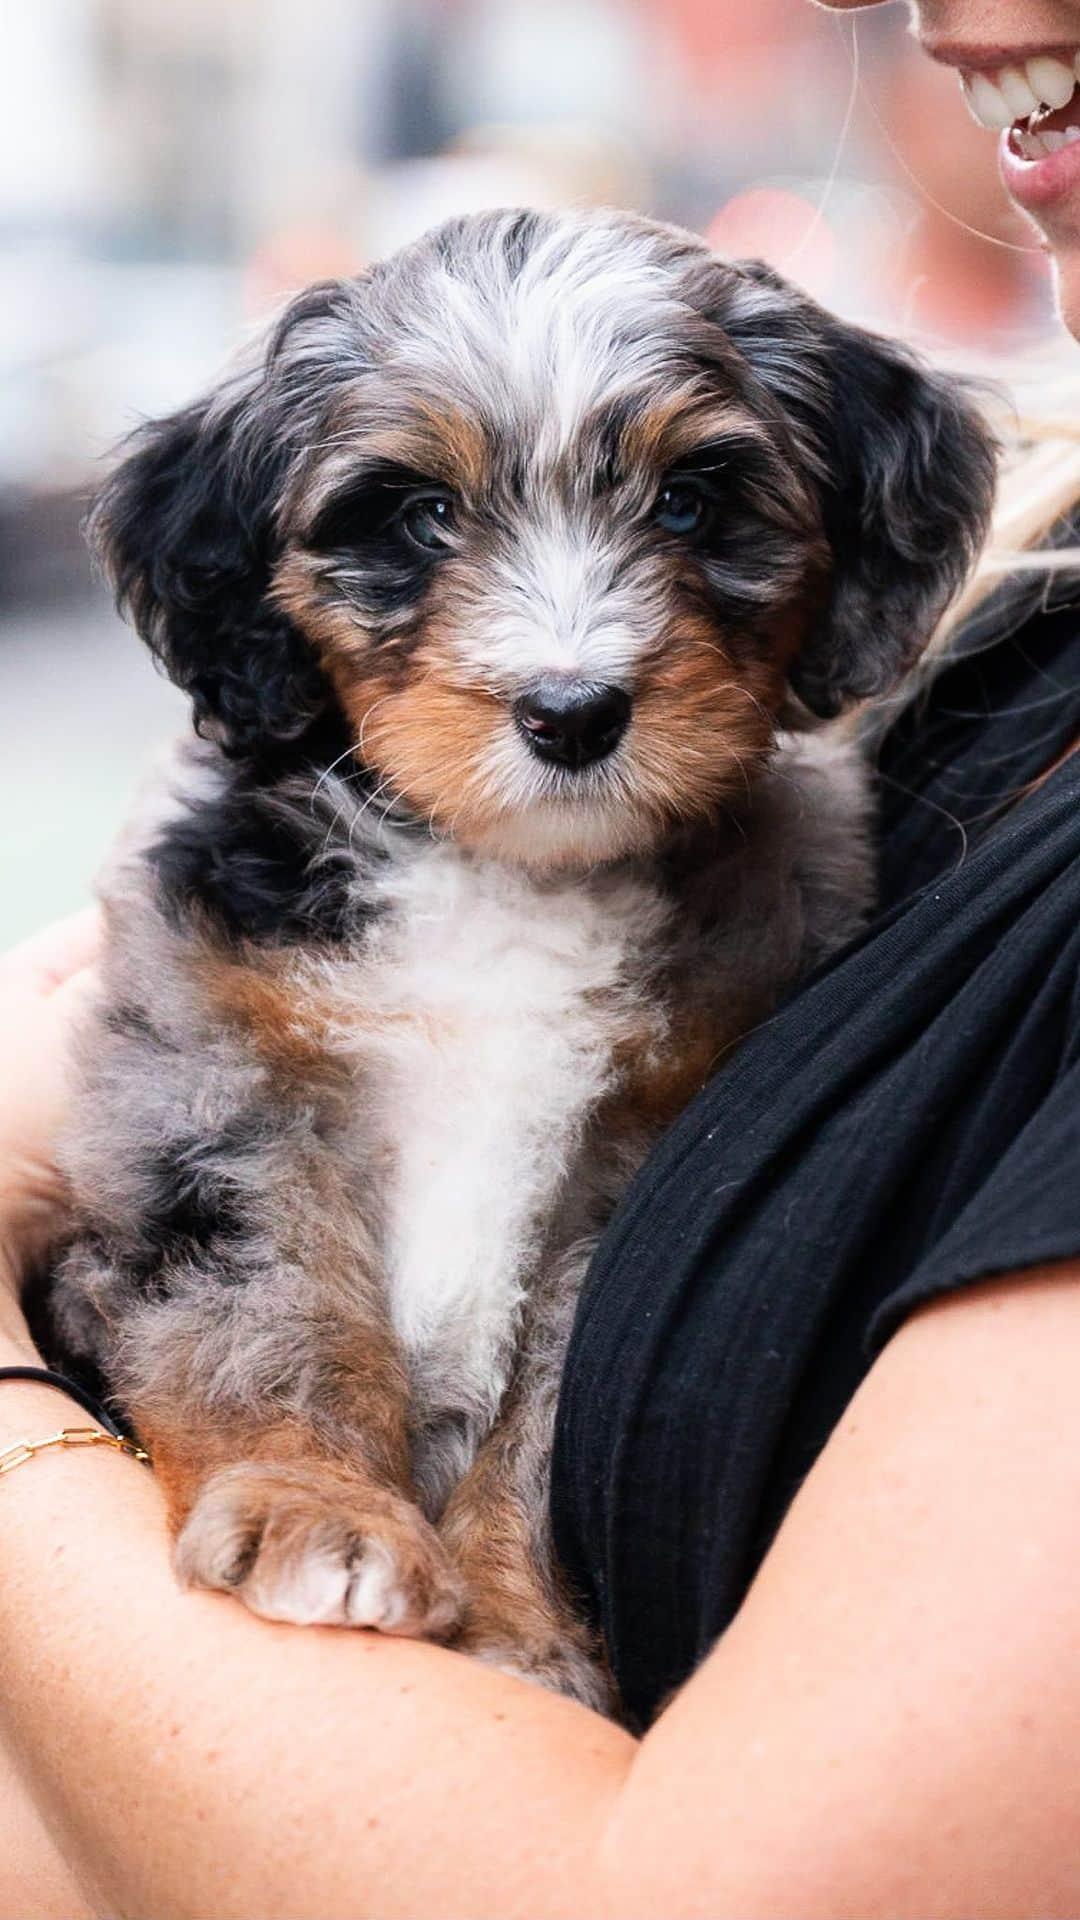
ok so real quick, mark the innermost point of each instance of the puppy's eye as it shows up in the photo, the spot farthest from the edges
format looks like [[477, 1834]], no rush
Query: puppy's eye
[[426, 519], [682, 506]]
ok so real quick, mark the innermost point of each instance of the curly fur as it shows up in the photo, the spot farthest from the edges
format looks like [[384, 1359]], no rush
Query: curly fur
[[394, 1005]]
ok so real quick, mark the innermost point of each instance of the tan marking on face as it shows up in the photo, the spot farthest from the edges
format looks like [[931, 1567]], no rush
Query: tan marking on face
[[429, 737], [669, 432], [434, 438], [419, 722], [332, 627], [456, 443], [703, 721], [703, 718]]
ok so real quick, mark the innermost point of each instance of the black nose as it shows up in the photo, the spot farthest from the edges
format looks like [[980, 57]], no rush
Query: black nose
[[572, 722]]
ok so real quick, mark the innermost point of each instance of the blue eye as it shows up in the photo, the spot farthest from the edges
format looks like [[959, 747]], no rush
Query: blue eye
[[682, 506], [426, 519]]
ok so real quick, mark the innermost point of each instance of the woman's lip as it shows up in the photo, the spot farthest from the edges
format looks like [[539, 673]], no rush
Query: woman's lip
[[984, 59], [1035, 184]]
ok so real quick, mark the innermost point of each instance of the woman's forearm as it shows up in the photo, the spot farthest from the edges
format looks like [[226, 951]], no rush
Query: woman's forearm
[[35, 1883], [914, 1622], [193, 1760]]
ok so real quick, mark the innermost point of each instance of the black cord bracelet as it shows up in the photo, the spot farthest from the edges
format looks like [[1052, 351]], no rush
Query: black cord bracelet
[[45, 1377]]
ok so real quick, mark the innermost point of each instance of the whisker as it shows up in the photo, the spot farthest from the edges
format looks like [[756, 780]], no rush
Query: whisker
[[374, 708], [325, 775], [372, 800]]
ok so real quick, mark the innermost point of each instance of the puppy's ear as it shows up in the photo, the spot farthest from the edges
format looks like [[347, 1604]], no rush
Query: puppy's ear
[[905, 468], [184, 530]]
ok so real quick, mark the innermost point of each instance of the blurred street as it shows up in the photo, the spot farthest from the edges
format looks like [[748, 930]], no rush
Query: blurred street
[[84, 712]]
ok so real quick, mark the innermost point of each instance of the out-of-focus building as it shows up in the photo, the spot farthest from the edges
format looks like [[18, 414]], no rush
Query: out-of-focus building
[[166, 171]]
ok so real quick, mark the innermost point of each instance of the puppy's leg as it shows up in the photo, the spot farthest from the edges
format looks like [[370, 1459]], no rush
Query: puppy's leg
[[299, 1537], [228, 1284], [516, 1615], [496, 1523], [275, 1413], [309, 1518]]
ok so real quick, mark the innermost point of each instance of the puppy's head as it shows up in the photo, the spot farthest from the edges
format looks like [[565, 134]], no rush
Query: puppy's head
[[554, 509]]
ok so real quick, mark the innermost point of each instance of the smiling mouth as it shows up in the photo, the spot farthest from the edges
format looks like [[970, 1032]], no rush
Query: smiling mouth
[[1038, 100]]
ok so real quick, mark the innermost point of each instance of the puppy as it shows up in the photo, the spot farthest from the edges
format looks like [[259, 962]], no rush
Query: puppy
[[492, 581]]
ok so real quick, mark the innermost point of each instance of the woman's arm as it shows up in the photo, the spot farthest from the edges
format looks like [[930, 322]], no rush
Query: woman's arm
[[42, 984], [892, 1722], [36, 1884], [198, 1761], [889, 1728]]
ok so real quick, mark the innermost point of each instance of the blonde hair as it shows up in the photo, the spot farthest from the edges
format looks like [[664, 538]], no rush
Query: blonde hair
[[1036, 527]]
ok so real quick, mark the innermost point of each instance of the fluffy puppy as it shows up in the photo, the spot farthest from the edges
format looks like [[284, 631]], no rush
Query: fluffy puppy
[[490, 580]]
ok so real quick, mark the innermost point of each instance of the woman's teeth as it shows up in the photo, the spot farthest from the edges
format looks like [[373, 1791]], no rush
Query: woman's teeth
[[1037, 146], [1044, 85]]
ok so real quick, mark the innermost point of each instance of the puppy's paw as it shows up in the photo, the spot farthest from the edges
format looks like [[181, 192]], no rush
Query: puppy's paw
[[314, 1546]]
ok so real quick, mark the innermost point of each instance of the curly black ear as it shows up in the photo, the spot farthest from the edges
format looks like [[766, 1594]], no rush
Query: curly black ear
[[905, 468], [184, 529]]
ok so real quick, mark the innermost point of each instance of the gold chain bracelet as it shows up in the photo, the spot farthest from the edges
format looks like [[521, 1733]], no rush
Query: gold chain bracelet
[[23, 1450]]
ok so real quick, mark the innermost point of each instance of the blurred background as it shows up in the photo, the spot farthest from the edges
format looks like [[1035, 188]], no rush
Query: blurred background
[[170, 169]]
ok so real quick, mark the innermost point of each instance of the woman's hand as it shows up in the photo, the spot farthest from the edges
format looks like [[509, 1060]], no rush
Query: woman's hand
[[44, 984]]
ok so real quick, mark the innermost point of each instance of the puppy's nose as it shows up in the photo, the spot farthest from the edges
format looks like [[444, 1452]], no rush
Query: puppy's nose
[[572, 722]]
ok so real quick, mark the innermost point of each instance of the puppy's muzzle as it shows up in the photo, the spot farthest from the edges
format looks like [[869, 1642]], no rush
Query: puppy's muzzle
[[571, 722]]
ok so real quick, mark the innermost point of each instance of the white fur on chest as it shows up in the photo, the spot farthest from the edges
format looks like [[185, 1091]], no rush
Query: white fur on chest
[[488, 1009]]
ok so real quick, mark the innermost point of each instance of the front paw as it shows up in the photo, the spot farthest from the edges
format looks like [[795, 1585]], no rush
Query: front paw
[[319, 1547]]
